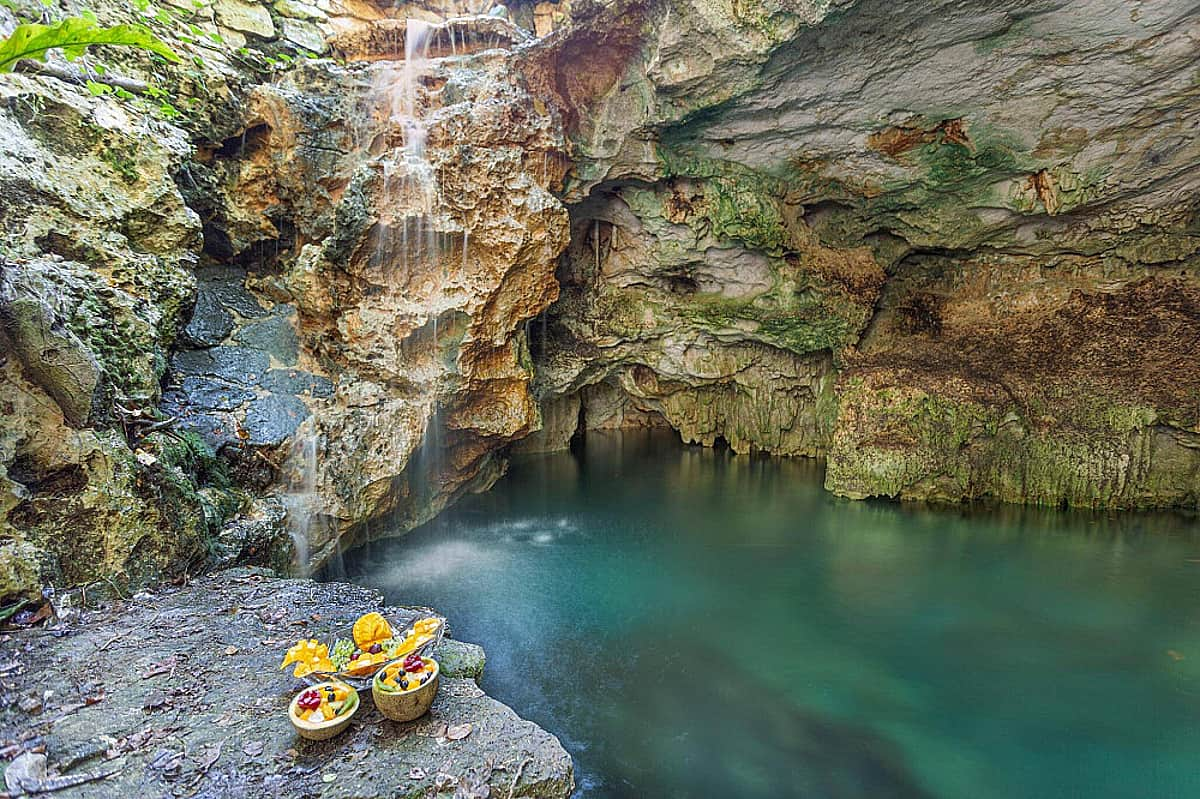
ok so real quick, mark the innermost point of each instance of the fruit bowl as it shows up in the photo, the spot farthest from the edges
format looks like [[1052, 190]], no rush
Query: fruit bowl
[[328, 728], [405, 705], [374, 642]]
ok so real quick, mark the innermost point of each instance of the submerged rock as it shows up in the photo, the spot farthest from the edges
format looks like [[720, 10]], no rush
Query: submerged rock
[[133, 675]]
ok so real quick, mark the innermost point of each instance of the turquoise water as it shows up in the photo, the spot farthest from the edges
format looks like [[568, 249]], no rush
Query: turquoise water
[[694, 624]]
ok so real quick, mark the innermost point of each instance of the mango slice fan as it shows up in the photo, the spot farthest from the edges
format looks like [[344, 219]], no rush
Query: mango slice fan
[[373, 642]]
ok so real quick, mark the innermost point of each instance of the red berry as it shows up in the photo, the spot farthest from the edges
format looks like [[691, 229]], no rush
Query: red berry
[[309, 700]]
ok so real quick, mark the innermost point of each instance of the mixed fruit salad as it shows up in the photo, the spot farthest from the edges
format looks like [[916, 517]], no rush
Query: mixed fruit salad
[[408, 675], [373, 643], [325, 702]]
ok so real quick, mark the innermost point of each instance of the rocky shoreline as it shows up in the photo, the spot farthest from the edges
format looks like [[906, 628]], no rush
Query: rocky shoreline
[[179, 694]]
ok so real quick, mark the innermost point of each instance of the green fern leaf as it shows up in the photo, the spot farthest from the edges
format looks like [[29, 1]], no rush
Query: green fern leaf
[[73, 36]]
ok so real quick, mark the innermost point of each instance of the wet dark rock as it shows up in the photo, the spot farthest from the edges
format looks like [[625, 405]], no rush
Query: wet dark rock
[[209, 394], [275, 335], [258, 536], [226, 285], [294, 381], [210, 324], [217, 428], [156, 666], [236, 364], [271, 419]]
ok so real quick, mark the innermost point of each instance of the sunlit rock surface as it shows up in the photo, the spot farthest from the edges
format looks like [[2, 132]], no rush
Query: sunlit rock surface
[[950, 248], [406, 278]]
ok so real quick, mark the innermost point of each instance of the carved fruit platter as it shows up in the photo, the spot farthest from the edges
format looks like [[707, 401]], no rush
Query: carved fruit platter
[[374, 641]]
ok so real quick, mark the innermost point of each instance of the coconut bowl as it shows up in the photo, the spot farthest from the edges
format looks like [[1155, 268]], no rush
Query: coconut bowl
[[405, 705], [322, 730]]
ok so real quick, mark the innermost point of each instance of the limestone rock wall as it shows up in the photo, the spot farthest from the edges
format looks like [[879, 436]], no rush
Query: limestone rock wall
[[406, 282], [96, 260], [274, 313], [952, 247]]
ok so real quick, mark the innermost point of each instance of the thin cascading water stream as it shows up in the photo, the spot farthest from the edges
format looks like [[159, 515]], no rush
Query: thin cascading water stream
[[301, 499], [411, 250]]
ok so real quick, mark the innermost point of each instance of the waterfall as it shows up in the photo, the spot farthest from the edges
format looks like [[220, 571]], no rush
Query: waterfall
[[301, 499], [411, 247]]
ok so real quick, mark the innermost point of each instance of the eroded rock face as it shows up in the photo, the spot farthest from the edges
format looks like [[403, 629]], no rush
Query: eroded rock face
[[295, 282], [931, 244], [415, 232], [96, 278], [928, 242]]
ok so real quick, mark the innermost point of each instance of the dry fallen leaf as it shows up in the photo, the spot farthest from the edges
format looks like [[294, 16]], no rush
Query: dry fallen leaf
[[472, 787], [155, 701], [161, 667], [213, 754], [458, 731]]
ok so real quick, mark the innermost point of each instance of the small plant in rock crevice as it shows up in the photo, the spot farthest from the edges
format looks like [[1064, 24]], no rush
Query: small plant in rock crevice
[[159, 30]]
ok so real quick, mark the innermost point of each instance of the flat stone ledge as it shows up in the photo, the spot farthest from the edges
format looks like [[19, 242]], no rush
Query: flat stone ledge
[[191, 703]]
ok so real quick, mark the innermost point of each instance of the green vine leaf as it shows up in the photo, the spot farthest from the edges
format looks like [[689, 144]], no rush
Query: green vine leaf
[[73, 36]]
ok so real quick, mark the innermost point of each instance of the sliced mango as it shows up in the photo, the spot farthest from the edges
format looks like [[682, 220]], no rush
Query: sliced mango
[[371, 629], [422, 632], [309, 656]]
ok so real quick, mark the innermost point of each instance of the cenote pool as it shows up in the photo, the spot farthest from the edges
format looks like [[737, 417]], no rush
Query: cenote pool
[[691, 623]]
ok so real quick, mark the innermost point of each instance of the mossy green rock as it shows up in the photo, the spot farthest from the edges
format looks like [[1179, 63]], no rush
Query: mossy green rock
[[20, 577]]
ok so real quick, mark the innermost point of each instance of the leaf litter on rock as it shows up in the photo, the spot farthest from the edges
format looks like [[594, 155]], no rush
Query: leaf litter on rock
[[155, 701], [211, 756], [473, 786], [27, 773], [458, 731], [165, 666]]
